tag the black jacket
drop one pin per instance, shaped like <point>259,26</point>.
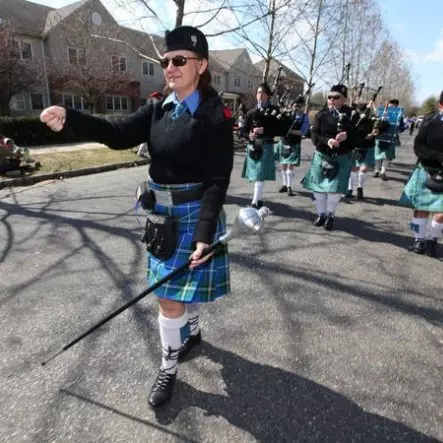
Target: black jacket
<point>325,128</point>
<point>263,118</point>
<point>428,144</point>
<point>198,148</point>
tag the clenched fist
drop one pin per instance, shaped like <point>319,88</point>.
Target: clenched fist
<point>54,117</point>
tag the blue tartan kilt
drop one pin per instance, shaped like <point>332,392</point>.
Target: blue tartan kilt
<point>417,196</point>
<point>315,181</point>
<point>260,170</point>
<point>368,161</point>
<point>384,154</point>
<point>292,159</point>
<point>205,283</point>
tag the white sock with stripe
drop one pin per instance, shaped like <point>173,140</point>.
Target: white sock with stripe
<point>352,180</point>
<point>361,179</point>
<point>435,229</point>
<point>258,191</point>
<point>283,177</point>
<point>320,202</point>
<point>289,177</point>
<point>173,333</point>
<point>332,202</point>
<point>384,165</point>
<point>418,227</point>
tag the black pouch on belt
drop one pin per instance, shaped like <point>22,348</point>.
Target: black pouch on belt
<point>161,233</point>
<point>329,169</point>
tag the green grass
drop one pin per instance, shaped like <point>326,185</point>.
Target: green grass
<point>66,161</point>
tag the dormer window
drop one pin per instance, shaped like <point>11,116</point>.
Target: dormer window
<point>96,19</point>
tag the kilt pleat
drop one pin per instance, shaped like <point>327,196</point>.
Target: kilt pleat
<point>205,283</point>
<point>417,196</point>
<point>260,170</point>
<point>294,156</point>
<point>369,159</point>
<point>315,181</point>
<point>384,154</point>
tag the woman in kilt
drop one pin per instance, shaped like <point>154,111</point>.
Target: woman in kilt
<point>333,135</point>
<point>363,154</point>
<point>424,190</point>
<point>288,149</point>
<point>190,143</point>
<point>261,126</point>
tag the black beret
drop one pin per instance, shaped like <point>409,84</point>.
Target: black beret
<point>342,89</point>
<point>441,98</point>
<point>187,38</point>
<point>394,102</point>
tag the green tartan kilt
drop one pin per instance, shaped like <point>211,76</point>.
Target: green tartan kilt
<point>417,196</point>
<point>315,181</point>
<point>260,170</point>
<point>294,156</point>
<point>205,283</point>
<point>384,154</point>
<point>368,161</point>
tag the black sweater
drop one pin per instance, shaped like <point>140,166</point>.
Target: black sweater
<point>198,148</point>
<point>325,127</point>
<point>428,144</point>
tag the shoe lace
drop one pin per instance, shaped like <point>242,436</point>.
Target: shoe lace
<point>163,380</point>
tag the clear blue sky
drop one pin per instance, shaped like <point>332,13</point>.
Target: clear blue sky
<point>416,25</point>
<point>418,28</point>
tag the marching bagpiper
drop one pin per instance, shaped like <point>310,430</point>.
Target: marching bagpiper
<point>424,190</point>
<point>261,126</point>
<point>333,135</point>
<point>288,149</point>
<point>385,146</point>
<point>363,154</point>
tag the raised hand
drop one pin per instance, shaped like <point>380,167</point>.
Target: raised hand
<point>54,117</point>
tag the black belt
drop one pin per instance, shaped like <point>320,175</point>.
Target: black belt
<point>166,197</point>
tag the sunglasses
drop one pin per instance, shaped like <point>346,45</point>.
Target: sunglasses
<point>334,97</point>
<point>177,61</point>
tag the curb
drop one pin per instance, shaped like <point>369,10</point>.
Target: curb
<point>32,179</point>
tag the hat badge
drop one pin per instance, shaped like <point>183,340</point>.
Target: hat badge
<point>194,40</point>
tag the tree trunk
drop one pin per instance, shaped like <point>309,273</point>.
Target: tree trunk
<point>180,12</point>
<point>4,108</point>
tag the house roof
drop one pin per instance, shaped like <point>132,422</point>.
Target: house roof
<point>226,58</point>
<point>27,18</point>
<point>141,41</point>
<point>273,68</point>
<point>55,16</point>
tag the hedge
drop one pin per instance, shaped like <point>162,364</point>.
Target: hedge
<point>29,131</point>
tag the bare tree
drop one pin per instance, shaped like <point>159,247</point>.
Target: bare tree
<point>18,72</point>
<point>91,70</point>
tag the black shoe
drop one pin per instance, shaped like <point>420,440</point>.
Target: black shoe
<point>349,194</point>
<point>191,343</point>
<point>376,174</point>
<point>419,246</point>
<point>320,220</point>
<point>383,176</point>
<point>329,223</point>
<point>290,193</point>
<point>162,389</point>
<point>359,194</point>
<point>283,189</point>
<point>257,205</point>
<point>431,247</point>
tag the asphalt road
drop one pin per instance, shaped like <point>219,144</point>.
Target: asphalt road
<point>327,336</point>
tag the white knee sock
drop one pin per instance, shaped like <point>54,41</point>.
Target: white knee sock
<point>320,202</point>
<point>377,165</point>
<point>258,191</point>
<point>283,177</point>
<point>289,177</point>
<point>193,318</point>
<point>173,332</point>
<point>384,165</point>
<point>332,202</point>
<point>435,229</point>
<point>352,180</point>
<point>418,227</point>
<point>361,179</point>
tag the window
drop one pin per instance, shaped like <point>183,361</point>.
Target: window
<point>73,101</point>
<point>116,103</point>
<point>249,84</point>
<point>236,81</point>
<point>72,56</point>
<point>96,19</point>
<point>17,103</point>
<point>148,68</point>
<point>22,49</point>
<point>217,79</point>
<point>118,63</point>
<point>37,101</point>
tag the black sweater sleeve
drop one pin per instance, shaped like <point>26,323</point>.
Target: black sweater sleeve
<point>320,141</point>
<point>117,134</point>
<point>219,163</point>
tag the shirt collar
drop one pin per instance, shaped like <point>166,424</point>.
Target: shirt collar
<point>192,101</point>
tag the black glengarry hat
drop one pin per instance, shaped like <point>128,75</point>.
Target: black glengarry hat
<point>341,89</point>
<point>187,38</point>
<point>441,98</point>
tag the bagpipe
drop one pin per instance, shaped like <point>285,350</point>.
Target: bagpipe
<point>387,122</point>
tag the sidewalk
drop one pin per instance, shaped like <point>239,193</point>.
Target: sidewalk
<point>30,180</point>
